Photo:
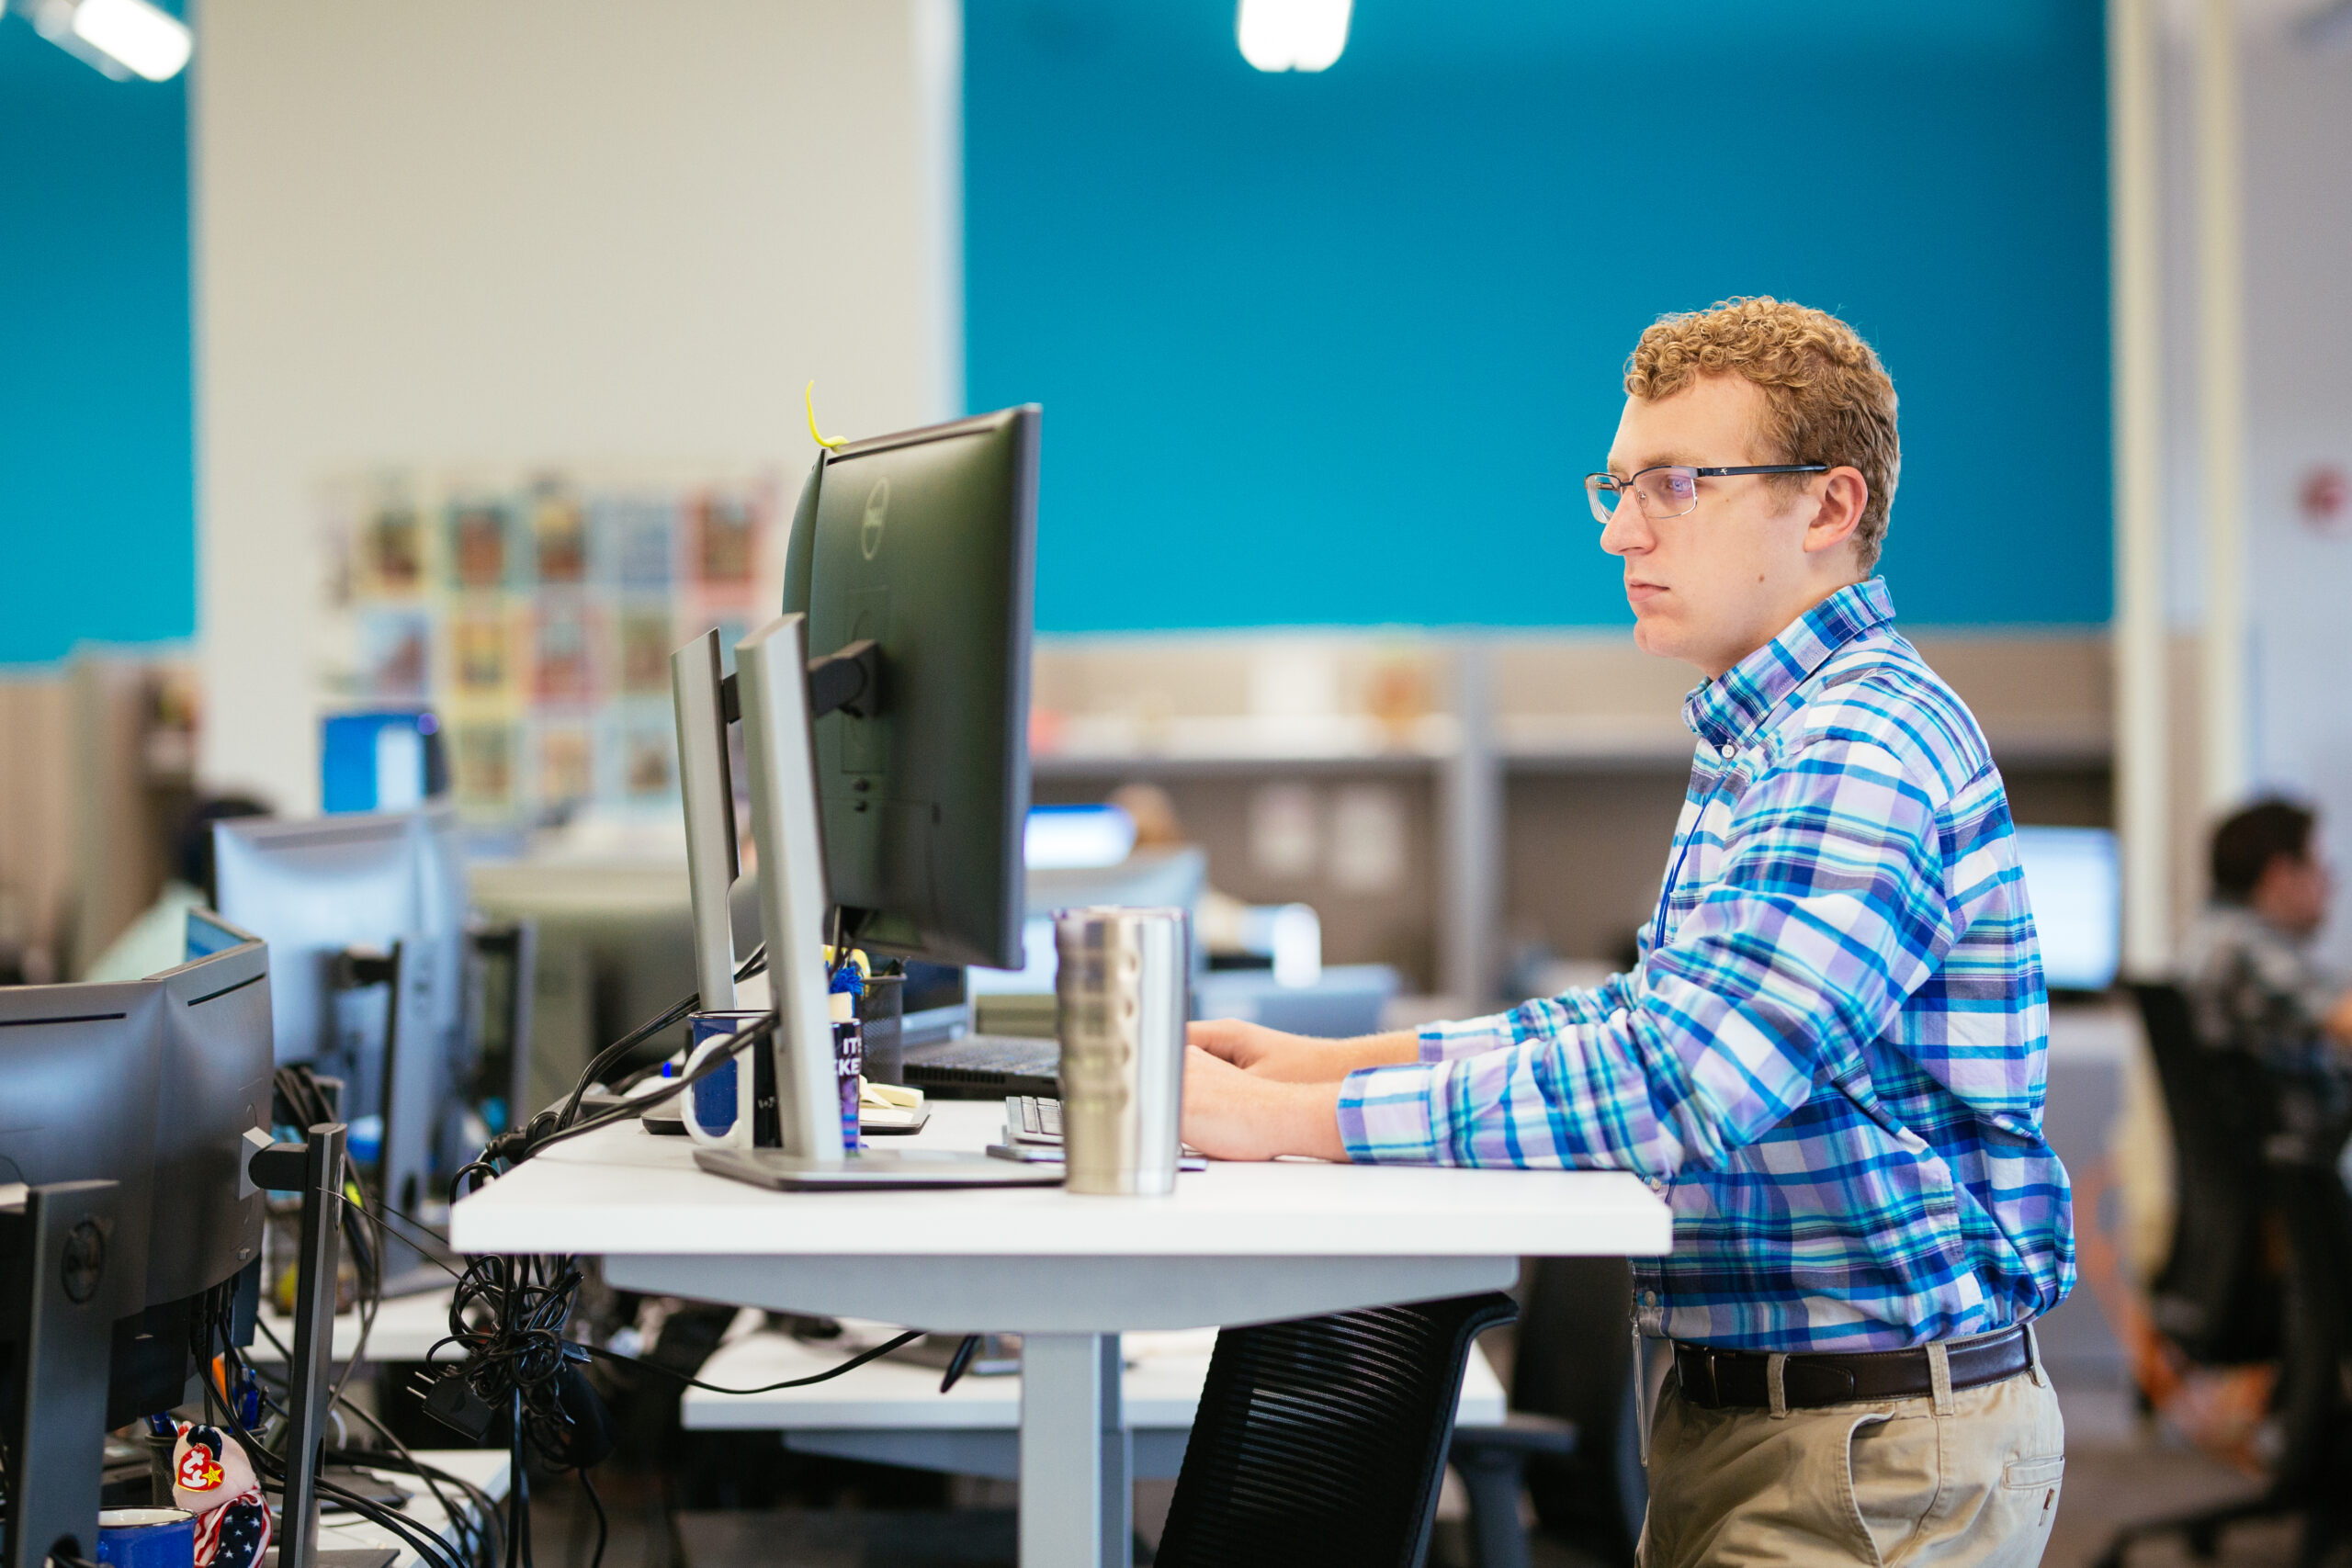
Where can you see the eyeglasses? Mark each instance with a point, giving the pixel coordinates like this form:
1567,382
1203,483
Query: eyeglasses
1671,488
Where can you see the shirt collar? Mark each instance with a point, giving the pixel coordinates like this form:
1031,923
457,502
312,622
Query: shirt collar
1727,709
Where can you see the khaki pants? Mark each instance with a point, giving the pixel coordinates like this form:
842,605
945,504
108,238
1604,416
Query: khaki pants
1887,1483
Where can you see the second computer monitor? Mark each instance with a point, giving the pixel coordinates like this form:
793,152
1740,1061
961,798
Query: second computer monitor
152,1084
318,892
215,1084
315,890
925,543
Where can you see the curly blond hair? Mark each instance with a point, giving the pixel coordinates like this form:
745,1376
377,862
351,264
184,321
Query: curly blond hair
1828,398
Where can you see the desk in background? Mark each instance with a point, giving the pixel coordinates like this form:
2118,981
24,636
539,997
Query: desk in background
891,1412
485,1468
406,1329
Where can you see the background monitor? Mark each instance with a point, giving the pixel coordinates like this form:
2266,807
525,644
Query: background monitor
925,542
2073,883
214,1082
151,1084
383,760
78,1095
1147,879
316,891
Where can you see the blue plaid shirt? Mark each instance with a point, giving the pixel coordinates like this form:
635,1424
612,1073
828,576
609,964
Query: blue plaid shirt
1829,1054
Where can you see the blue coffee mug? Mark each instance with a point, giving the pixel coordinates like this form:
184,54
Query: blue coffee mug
147,1538
720,1109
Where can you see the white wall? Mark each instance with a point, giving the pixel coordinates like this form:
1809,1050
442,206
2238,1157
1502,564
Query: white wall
439,232
2299,287
2297,171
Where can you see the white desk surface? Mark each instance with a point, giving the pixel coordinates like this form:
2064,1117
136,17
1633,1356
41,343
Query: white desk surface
622,1191
1161,1389
486,1468
406,1328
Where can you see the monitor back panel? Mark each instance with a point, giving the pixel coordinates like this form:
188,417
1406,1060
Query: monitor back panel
925,543
312,889
215,1084
79,1090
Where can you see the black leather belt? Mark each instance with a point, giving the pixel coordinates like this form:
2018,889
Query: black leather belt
1718,1380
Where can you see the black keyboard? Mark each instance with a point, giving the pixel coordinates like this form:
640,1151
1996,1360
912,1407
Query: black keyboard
986,1067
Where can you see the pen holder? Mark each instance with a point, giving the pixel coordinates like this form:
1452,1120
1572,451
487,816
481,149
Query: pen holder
880,1016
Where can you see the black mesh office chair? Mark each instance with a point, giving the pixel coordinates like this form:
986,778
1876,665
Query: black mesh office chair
1323,1440
1573,1360
2216,1298
2248,1171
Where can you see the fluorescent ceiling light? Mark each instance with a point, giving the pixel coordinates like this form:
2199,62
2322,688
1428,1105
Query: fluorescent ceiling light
1292,35
118,37
146,38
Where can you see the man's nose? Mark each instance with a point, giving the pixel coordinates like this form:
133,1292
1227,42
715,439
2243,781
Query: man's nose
1627,532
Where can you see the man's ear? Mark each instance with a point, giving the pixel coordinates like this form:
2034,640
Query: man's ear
1839,511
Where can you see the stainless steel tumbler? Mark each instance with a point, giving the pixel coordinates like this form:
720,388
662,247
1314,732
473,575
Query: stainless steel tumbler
1124,986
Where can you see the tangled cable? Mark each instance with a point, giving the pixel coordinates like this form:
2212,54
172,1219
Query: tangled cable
553,1125
214,1339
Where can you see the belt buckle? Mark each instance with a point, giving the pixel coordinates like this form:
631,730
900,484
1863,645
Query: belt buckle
1715,1382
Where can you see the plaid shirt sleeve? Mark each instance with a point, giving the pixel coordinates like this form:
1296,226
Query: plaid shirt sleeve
1540,1019
1827,912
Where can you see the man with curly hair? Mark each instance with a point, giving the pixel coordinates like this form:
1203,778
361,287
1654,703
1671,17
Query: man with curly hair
1828,1055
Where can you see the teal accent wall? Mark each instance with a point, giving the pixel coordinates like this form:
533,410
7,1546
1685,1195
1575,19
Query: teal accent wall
98,510
1338,349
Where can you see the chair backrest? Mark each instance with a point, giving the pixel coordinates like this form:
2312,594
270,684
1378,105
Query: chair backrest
1571,1358
2217,1296
1323,1439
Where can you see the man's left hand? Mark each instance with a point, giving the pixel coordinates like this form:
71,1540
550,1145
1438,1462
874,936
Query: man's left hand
1232,1114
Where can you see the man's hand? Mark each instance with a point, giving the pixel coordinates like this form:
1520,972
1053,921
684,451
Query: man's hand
1231,1114
1294,1058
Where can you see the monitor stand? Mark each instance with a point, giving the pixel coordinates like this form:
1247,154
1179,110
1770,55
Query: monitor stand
771,672
873,1169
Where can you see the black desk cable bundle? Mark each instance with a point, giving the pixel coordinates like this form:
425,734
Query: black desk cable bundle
237,1393
520,1377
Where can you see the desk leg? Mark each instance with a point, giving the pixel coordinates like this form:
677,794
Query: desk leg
1075,1496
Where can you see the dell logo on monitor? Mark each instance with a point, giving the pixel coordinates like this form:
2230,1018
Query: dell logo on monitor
877,507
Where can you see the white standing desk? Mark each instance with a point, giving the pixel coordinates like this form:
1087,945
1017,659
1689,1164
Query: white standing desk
1238,1243
406,1329
891,1412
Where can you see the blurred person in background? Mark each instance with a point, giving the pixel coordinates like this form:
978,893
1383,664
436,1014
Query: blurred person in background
2252,978
157,939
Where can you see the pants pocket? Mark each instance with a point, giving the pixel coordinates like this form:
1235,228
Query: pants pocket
2028,1473
2023,1477
1892,1473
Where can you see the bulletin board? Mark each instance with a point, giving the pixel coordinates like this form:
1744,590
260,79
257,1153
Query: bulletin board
535,613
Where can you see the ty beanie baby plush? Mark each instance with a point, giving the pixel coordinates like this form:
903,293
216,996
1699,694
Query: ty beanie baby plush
212,1479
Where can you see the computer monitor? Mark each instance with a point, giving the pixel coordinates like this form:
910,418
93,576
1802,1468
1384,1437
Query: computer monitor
151,1084
886,732
216,1067
924,542
2073,883
79,1070
316,892
1146,879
